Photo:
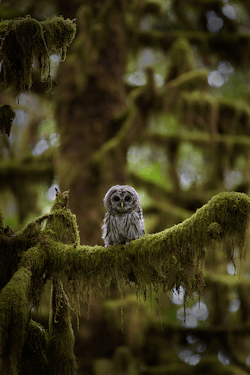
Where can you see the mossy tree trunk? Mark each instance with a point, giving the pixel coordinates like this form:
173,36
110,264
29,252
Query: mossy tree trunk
91,94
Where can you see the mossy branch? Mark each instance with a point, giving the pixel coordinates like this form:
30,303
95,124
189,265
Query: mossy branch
26,39
14,299
154,262
127,118
162,260
215,113
191,80
198,138
61,337
34,170
224,46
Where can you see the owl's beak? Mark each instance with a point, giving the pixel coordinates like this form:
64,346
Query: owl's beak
121,204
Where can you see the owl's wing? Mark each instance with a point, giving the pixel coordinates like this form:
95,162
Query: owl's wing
141,221
110,233
106,228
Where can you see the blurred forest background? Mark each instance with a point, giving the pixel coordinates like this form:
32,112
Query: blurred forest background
153,94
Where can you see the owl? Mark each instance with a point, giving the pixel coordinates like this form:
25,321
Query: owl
123,221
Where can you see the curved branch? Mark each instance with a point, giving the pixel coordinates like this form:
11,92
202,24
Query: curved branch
158,261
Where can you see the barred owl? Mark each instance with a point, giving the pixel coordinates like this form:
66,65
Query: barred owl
123,221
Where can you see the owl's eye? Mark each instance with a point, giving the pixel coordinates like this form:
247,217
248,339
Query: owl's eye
127,198
116,198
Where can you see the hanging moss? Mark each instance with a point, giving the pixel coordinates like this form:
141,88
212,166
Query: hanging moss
33,358
12,247
7,115
61,337
26,39
14,316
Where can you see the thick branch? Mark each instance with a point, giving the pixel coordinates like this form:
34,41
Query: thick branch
33,170
161,260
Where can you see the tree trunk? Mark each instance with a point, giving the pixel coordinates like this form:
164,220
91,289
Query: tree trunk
91,92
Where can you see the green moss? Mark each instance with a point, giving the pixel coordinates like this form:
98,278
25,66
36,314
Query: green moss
217,113
7,115
158,261
154,262
25,39
61,337
12,247
14,316
198,138
33,358
181,58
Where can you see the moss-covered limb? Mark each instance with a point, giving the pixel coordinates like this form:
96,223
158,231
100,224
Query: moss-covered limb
25,39
141,98
120,137
61,202
190,200
230,46
188,81
40,170
58,34
61,356
61,224
181,59
141,8
198,138
132,120
232,116
14,316
7,115
168,209
33,358
12,247
162,260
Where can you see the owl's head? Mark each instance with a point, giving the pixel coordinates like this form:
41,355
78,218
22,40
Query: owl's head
121,199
